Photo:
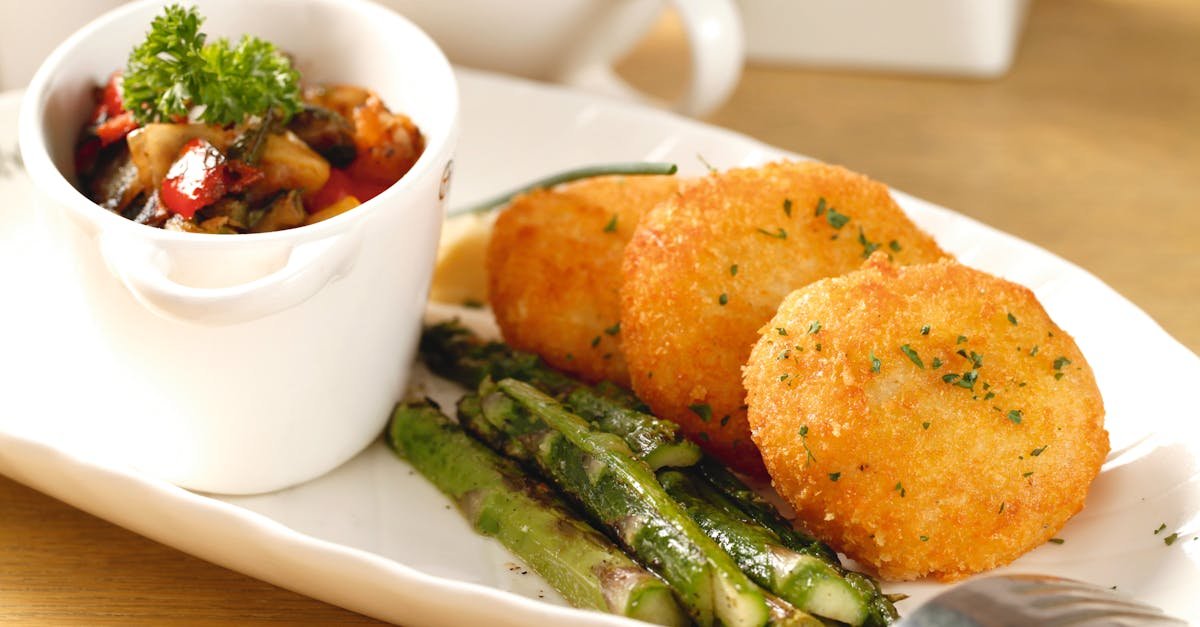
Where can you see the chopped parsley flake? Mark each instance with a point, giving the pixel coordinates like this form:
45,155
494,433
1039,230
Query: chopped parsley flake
1160,529
787,207
950,378
900,488
989,396
835,219
925,330
1027,474
868,246
724,420
733,270
1012,318
968,379
912,356
817,347
961,339
804,440
875,363
937,363
703,410
783,377
1037,451
781,330
894,245
975,358
924,538
815,327
1015,416
614,329
1033,351
1001,510
778,234
723,299
612,224
1056,540
595,341
820,207
834,476
925,425
1169,540
1060,362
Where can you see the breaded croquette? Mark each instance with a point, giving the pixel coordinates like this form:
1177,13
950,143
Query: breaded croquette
708,267
927,420
554,270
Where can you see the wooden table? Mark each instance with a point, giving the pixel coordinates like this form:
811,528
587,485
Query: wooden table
1090,147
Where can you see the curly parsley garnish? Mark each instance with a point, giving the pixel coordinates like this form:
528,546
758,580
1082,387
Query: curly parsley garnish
175,74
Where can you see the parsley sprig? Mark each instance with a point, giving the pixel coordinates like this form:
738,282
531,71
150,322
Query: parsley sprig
175,74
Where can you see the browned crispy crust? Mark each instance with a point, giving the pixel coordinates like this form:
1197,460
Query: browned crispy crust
689,319
906,469
554,270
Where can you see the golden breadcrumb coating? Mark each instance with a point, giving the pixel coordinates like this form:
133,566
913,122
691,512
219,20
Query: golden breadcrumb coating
927,420
707,268
554,270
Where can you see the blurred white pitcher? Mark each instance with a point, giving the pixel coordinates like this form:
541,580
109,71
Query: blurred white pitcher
576,42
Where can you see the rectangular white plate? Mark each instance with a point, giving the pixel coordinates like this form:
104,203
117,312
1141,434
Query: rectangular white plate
375,537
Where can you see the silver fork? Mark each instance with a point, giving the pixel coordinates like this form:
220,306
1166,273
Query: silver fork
1029,600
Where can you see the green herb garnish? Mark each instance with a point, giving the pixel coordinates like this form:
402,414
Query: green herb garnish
175,74
611,227
703,410
868,246
835,219
912,355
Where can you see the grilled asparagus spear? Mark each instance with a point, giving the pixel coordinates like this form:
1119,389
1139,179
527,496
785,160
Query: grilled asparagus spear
452,351
601,474
807,582
500,500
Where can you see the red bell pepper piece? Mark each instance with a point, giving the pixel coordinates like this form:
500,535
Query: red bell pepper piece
201,175
115,128
340,185
196,178
110,119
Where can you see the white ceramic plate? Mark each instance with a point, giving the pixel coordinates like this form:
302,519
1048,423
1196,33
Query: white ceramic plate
374,537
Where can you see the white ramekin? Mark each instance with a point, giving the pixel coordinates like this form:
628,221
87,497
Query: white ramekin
255,362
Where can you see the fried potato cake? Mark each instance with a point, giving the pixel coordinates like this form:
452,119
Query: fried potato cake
554,270
707,268
927,420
